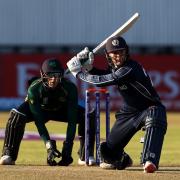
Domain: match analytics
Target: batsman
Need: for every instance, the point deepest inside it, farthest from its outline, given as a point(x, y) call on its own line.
point(50, 97)
point(142, 106)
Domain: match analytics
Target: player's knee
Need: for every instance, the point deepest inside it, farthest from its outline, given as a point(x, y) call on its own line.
point(156, 118)
point(16, 118)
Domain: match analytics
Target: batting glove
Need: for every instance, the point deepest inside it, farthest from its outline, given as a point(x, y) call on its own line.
point(86, 58)
point(74, 66)
point(52, 152)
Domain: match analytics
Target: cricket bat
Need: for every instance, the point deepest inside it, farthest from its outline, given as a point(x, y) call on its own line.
point(121, 30)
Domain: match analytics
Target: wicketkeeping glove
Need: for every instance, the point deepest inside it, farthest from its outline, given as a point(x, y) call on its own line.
point(52, 152)
point(66, 154)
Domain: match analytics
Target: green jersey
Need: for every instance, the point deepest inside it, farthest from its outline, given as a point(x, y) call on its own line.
point(44, 100)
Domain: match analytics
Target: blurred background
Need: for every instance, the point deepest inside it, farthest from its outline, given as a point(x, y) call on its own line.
point(32, 31)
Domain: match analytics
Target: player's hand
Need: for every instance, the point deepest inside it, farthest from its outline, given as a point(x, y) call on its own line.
point(52, 152)
point(74, 66)
point(66, 154)
point(86, 59)
point(84, 54)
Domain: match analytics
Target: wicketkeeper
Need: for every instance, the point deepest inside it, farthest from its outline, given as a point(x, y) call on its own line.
point(142, 106)
point(51, 97)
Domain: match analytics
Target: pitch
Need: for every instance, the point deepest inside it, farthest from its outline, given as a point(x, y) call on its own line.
point(31, 163)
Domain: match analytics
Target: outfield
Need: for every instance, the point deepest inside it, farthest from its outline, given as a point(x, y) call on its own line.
point(31, 163)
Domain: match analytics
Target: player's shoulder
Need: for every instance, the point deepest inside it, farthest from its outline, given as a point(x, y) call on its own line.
point(36, 84)
point(134, 64)
point(127, 67)
point(32, 79)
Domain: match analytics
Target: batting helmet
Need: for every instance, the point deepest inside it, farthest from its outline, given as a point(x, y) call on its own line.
point(116, 43)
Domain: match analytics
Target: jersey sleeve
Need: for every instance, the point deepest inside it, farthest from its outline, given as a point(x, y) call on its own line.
point(35, 107)
point(120, 75)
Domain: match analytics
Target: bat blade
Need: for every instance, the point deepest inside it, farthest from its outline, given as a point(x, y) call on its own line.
point(121, 30)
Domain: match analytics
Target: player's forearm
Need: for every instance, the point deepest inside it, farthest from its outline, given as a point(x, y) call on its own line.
point(43, 132)
point(72, 121)
point(99, 80)
point(39, 121)
point(71, 131)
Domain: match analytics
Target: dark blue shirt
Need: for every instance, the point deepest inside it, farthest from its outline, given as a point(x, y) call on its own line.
point(132, 81)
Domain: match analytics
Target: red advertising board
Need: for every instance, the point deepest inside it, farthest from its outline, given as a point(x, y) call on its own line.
point(16, 69)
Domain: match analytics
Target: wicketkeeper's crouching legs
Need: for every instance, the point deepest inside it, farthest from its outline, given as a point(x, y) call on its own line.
point(13, 135)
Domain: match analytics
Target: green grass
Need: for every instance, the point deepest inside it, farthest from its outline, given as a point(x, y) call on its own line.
point(34, 152)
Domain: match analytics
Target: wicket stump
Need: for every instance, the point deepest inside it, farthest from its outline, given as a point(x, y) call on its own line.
point(96, 93)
